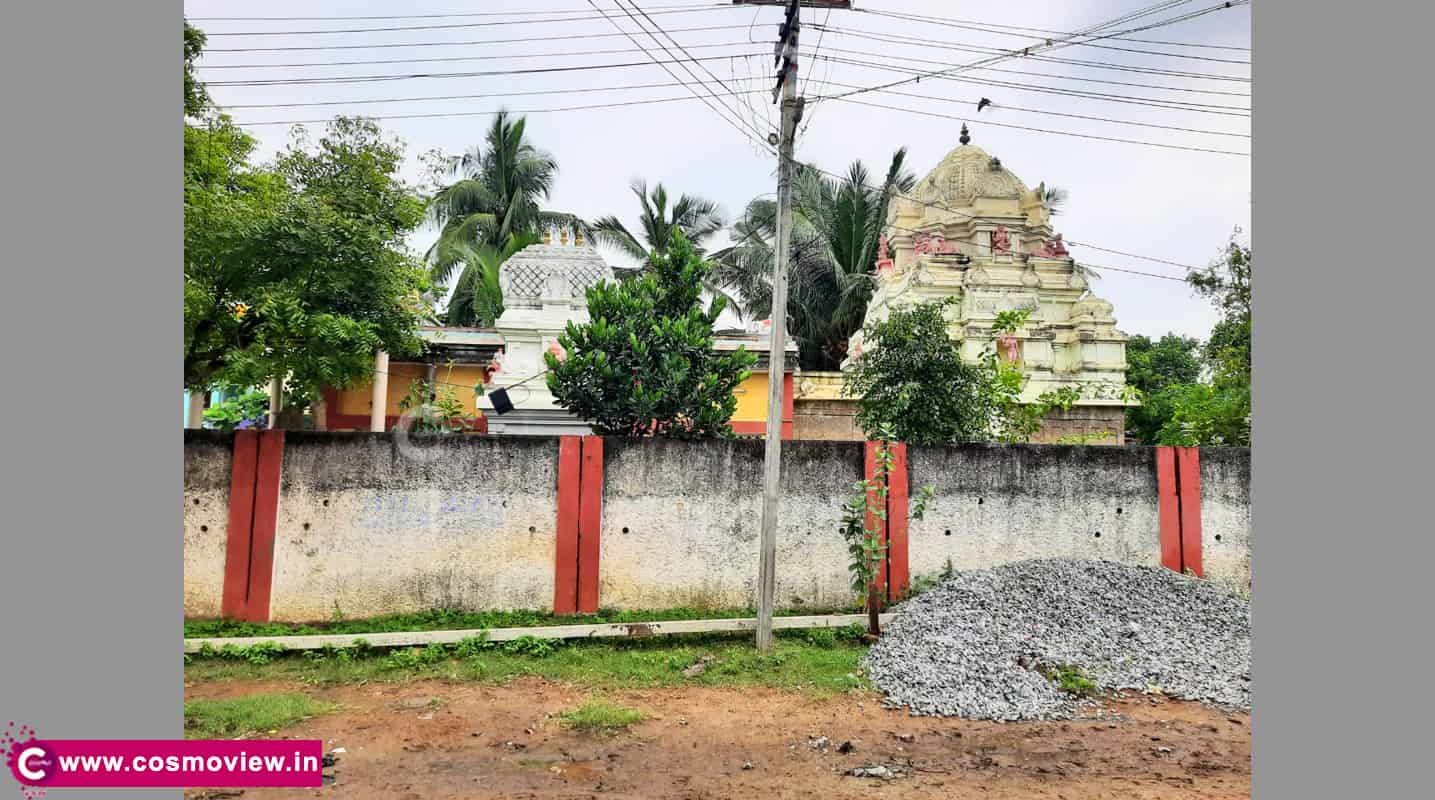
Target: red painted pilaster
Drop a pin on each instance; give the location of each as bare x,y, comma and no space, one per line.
565,569
266,522
1169,509
241,521
1188,466
590,523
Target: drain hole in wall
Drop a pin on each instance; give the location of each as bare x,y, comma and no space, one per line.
326,502
306,526
1098,534
979,501
204,528
1218,537
625,530
532,529
1118,510
196,501
949,532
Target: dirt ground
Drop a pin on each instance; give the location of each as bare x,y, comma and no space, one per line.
427,740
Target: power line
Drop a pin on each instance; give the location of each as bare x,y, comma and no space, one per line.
447,58
848,99
715,109
1088,33
1053,113
736,93
448,26
953,24
506,40
659,29
368,101
409,76
1069,33
447,114
1077,62
427,16
1172,105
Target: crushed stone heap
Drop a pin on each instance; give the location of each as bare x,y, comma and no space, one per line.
974,646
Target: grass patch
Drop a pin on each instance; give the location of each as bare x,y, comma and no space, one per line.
600,716
454,620
254,714
1071,679
821,662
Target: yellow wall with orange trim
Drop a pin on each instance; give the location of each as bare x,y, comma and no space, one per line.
751,399
461,379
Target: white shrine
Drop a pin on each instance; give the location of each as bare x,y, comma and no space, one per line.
973,231
544,287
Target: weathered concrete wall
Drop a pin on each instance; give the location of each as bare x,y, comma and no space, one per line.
826,420
1226,537
363,529
1000,503
366,531
208,459
681,520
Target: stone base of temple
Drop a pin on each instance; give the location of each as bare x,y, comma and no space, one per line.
836,420
829,420
536,422
1084,425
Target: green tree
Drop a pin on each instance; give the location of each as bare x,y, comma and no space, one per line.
300,271
477,299
912,382
697,218
196,97
645,364
1218,413
1151,367
495,192
837,224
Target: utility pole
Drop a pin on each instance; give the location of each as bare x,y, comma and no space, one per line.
785,54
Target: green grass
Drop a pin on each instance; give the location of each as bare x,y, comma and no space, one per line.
1071,679
450,619
254,714
820,662
600,716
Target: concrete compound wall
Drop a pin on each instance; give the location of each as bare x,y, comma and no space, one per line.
208,460
681,523
484,522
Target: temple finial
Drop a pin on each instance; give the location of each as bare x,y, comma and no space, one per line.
964,138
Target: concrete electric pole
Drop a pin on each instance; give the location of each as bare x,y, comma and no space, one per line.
786,57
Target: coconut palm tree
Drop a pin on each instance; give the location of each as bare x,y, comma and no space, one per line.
696,217
1055,197
835,232
477,299
495,194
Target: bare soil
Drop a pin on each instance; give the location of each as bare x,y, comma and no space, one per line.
431,739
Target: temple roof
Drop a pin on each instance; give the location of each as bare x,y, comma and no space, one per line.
967,172
526,275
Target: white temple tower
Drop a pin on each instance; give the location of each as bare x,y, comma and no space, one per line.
975,232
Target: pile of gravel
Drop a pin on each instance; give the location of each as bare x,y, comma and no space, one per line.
974,646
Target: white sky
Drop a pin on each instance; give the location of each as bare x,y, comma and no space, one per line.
1169,204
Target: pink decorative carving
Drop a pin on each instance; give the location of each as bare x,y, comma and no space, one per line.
933,243
1053,249
1010,348
1001,242
884,259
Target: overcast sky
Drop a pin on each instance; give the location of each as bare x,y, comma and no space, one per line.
1176,205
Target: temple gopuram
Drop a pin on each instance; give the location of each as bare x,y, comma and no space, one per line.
971,230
